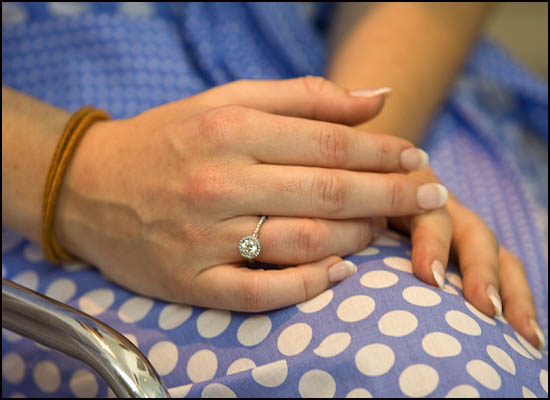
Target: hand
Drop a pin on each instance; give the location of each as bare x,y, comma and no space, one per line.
482,261
158,202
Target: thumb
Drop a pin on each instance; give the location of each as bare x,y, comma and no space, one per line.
310,97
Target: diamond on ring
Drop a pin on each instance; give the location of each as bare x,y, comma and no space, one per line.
249,246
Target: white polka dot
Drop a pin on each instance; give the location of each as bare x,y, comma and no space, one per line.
9,239
397,323
368,251
74,266
33,253
463,391
212,323
216,391
543,378
399,263
384,240
13,368
83,384
379,279
10,336
254,330
96,301
67,7
47,377
528,346
418,380
317,303
173,315
439,344
317,383
462,323
517,347
27,279
17,395
502,359
333,344
455,279
294,339
240,365
450,289
180,391
374,359
355,308
61,290
527,394
135,309
164,357
484,374
479,314
421,296
272,374
202,365
359,393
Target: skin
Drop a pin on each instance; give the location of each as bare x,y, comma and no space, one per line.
159,188
417,49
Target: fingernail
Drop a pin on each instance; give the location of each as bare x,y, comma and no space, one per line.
414,159
438,272
538,332
342,270
386,91
495,299
431,195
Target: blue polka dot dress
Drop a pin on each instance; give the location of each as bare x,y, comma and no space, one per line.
381,333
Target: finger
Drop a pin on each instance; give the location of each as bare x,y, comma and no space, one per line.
297,141
252,290
309,97
292,241
431,236
519,307
477,251
333,194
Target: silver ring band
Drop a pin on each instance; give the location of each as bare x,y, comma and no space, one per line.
249,246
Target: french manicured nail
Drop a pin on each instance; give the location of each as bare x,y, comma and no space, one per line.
538,332
386,91
342,270
438,272
495,299
431,195
414,159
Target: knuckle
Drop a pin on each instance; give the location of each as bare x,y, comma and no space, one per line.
313,85
385,154
332,191
206,185
396,194
333,147
255,296
307,239
222,124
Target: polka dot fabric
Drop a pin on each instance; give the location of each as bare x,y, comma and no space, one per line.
381,333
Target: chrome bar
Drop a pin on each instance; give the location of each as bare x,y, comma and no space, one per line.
53,324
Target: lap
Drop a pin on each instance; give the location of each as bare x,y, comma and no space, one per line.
382,332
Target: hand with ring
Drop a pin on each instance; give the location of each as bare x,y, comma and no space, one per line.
159,202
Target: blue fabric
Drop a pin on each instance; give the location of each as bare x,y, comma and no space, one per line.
381,332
